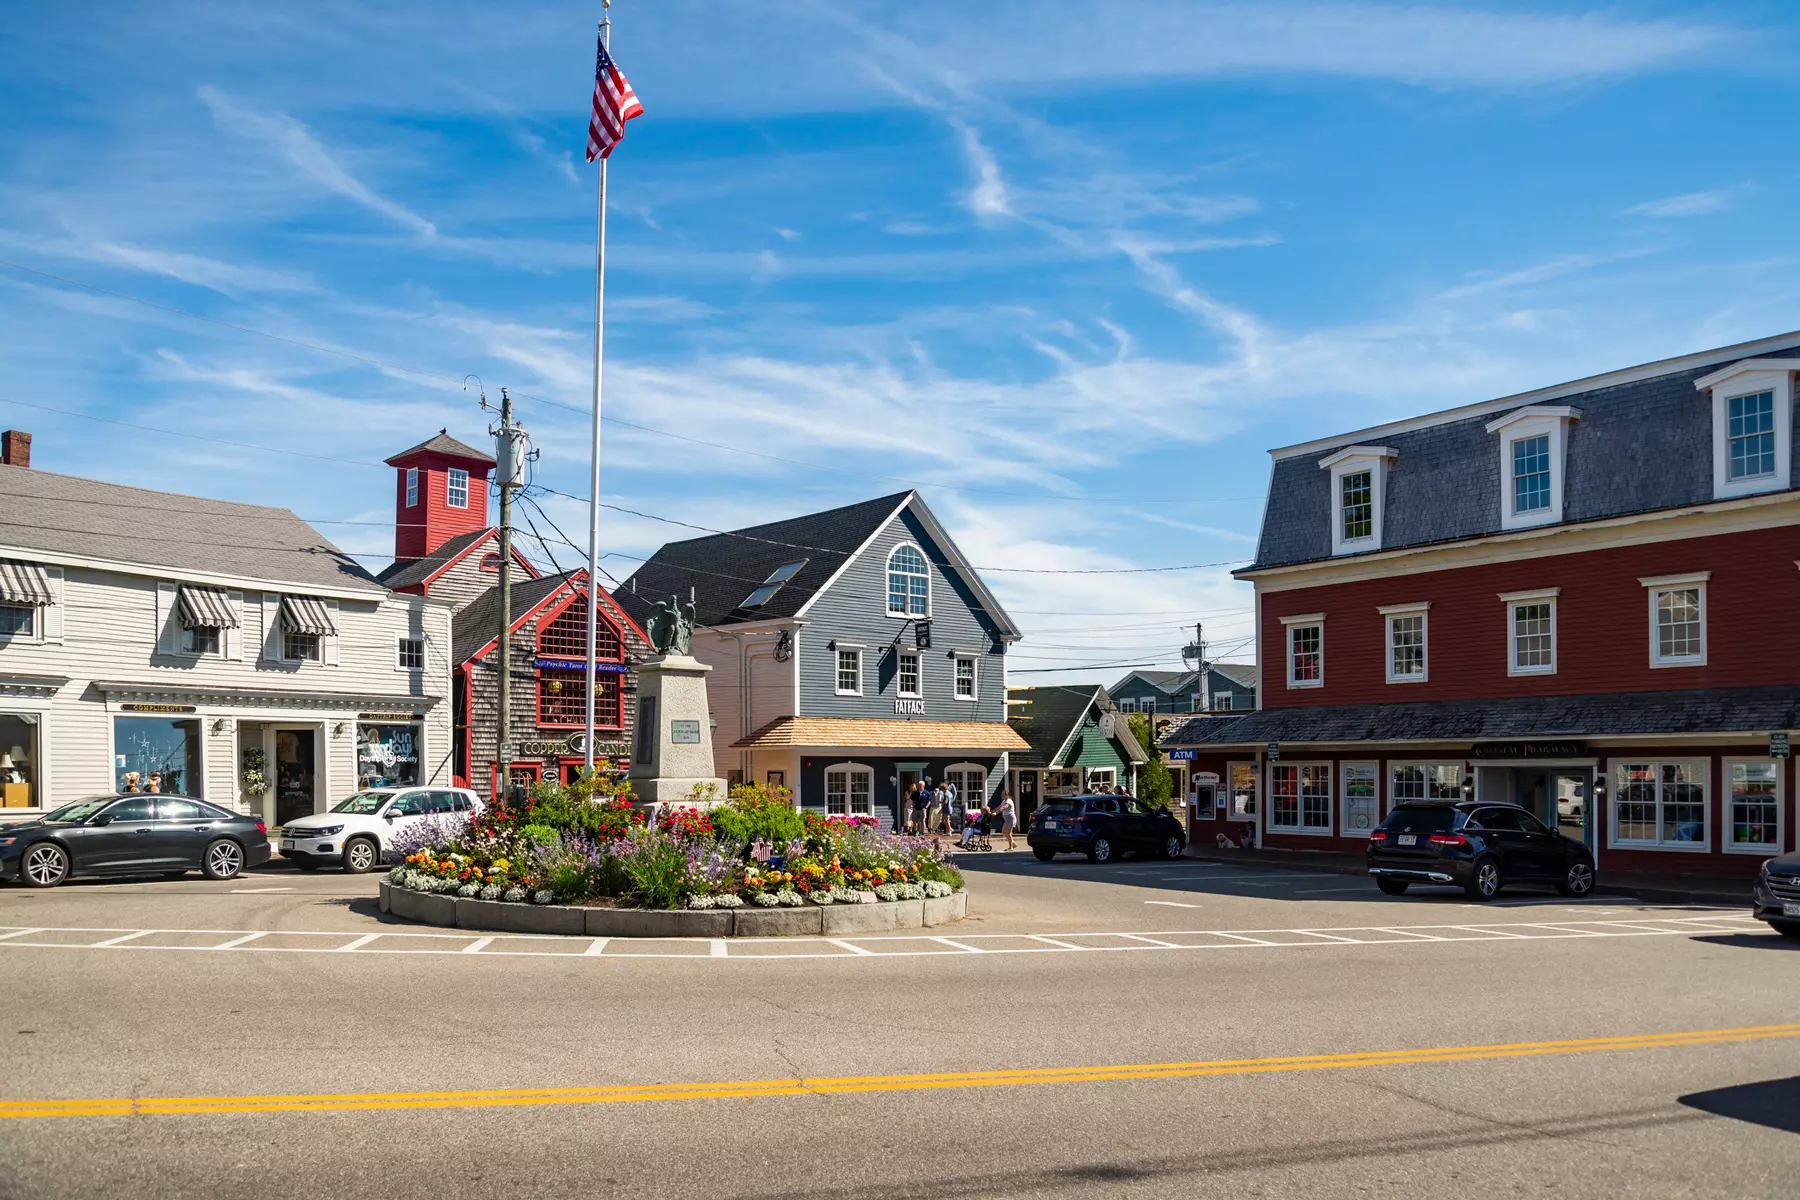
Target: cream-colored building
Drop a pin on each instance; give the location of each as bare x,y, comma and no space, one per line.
145,633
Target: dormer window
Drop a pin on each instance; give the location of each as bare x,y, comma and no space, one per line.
1533,447
1358,491
1753,441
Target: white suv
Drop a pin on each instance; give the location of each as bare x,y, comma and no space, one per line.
359,832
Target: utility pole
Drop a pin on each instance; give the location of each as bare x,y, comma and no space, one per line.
508,474
1205,668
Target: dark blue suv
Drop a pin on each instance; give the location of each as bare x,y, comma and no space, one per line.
1478,847
1103,827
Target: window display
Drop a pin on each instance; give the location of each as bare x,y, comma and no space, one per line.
19,762
156,754
387,755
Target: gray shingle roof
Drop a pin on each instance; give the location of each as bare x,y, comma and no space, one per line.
65,514
409,572
723,569
1710,710
443,443
478,622
1052,714
1637,447
1243,674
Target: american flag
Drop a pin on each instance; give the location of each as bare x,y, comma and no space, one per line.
614,104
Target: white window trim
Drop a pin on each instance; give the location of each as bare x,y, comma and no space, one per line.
186,635
1654,587
850,768
1513,600
1726,845
1615,842
412,487
1255,791
974,661
1127,704
450,478
887,570
900,675
1388,613
1746,378
1344,768
1288,625
35,637
1268,799
1534,420
961,791
837,669
1348,461
1462,771
41,715
399,650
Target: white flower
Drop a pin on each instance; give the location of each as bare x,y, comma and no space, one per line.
491,892
697,900
468,891
543,897
728,901
766,900
822,898
514,894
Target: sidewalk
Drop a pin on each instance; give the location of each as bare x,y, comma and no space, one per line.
1651,889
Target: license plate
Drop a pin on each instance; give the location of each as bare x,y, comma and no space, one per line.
1790,908
287,843
1407,839
1050,825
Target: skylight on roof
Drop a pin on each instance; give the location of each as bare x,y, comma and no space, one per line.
779,576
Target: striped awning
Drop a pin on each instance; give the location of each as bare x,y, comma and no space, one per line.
206,608
24,583
307,614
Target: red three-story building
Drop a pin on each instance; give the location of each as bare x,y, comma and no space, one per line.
1583,599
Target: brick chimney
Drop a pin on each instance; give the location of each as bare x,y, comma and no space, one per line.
15,448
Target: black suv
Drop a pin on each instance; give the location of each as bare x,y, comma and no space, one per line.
1477,847
1102,827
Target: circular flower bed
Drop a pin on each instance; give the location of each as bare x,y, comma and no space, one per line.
588,843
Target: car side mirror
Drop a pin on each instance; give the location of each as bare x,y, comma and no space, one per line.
389,816
101,820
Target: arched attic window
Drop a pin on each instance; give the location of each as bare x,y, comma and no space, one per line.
909,583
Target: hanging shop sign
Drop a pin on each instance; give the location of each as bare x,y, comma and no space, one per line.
1274,751
158,708
578,664
1548,749
1185,754
1778,744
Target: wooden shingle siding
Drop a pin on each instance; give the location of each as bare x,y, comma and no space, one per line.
465,579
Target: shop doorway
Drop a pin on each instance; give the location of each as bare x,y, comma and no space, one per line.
1557,796
296,774
1028,797
905,776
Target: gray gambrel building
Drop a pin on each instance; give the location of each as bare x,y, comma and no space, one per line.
853,652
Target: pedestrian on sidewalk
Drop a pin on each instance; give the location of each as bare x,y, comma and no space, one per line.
1009,816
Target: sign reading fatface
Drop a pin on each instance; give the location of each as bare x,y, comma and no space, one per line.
909,708
1544,749
684,733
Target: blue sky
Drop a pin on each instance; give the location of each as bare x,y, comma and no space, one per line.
1071,268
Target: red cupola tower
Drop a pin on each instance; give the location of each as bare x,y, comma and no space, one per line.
440,492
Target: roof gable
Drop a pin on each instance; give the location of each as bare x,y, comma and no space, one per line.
442,443
475,627
414,572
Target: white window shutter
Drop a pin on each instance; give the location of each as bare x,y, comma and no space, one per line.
53,613
234,638
331,639
271,627
168,634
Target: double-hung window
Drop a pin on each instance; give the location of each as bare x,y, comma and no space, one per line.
200,640
1531,631
1300,797
18,620
1753,805
1660,804
1356,505
1533,444
1750,436
849,791
849,671
412,487
1406,626
1677,619
909,674
412,655
456,488
1752,425
967,678
1531,474
909,583
1424,781
299,647
1305,650
1358,487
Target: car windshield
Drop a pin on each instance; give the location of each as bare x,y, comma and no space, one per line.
363,804
1432,818
81,810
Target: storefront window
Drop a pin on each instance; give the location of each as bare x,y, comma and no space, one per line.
387,756
156,754
1755,806
1359,799
1243,791
1426,781
1300,796
19,762
1660,804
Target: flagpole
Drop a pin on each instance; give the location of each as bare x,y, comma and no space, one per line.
593,613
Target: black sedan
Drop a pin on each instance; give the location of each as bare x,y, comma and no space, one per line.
134,834
1102,827
1477,847
1778,895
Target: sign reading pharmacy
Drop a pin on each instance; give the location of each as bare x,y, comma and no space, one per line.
1524,749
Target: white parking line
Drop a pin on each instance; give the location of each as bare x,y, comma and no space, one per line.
1171,904
958,945
360,942
1050,941
257,891
19,933
1244,937
718,948
478,945
120,941
235,942
852,947
1139,937
596,947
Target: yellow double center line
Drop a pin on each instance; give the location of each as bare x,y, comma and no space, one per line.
634,1094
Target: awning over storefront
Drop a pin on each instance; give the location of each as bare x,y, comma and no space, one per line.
1753,711
24,583
307,614
872,734
206,608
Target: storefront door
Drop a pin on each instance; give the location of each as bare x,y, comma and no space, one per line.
1557,796
1028,797
295,774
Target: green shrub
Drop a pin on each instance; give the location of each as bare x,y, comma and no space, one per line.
758,811
655,872
540,834
1155,783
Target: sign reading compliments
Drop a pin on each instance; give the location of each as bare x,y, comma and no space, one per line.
1550,749
158,708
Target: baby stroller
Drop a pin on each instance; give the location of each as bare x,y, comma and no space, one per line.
975,830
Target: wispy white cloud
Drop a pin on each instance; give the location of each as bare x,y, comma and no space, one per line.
308,155
1691,204
197,269
988,197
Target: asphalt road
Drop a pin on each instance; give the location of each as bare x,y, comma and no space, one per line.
1146,1029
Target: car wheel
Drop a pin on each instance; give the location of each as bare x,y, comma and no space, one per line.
1043,853
1100,850
1787,929
361,855
1579,880
44,866
1485,883
303,862
224,859
1392,887
1171,848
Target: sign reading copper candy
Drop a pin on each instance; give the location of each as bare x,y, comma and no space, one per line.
1531,749
158,708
